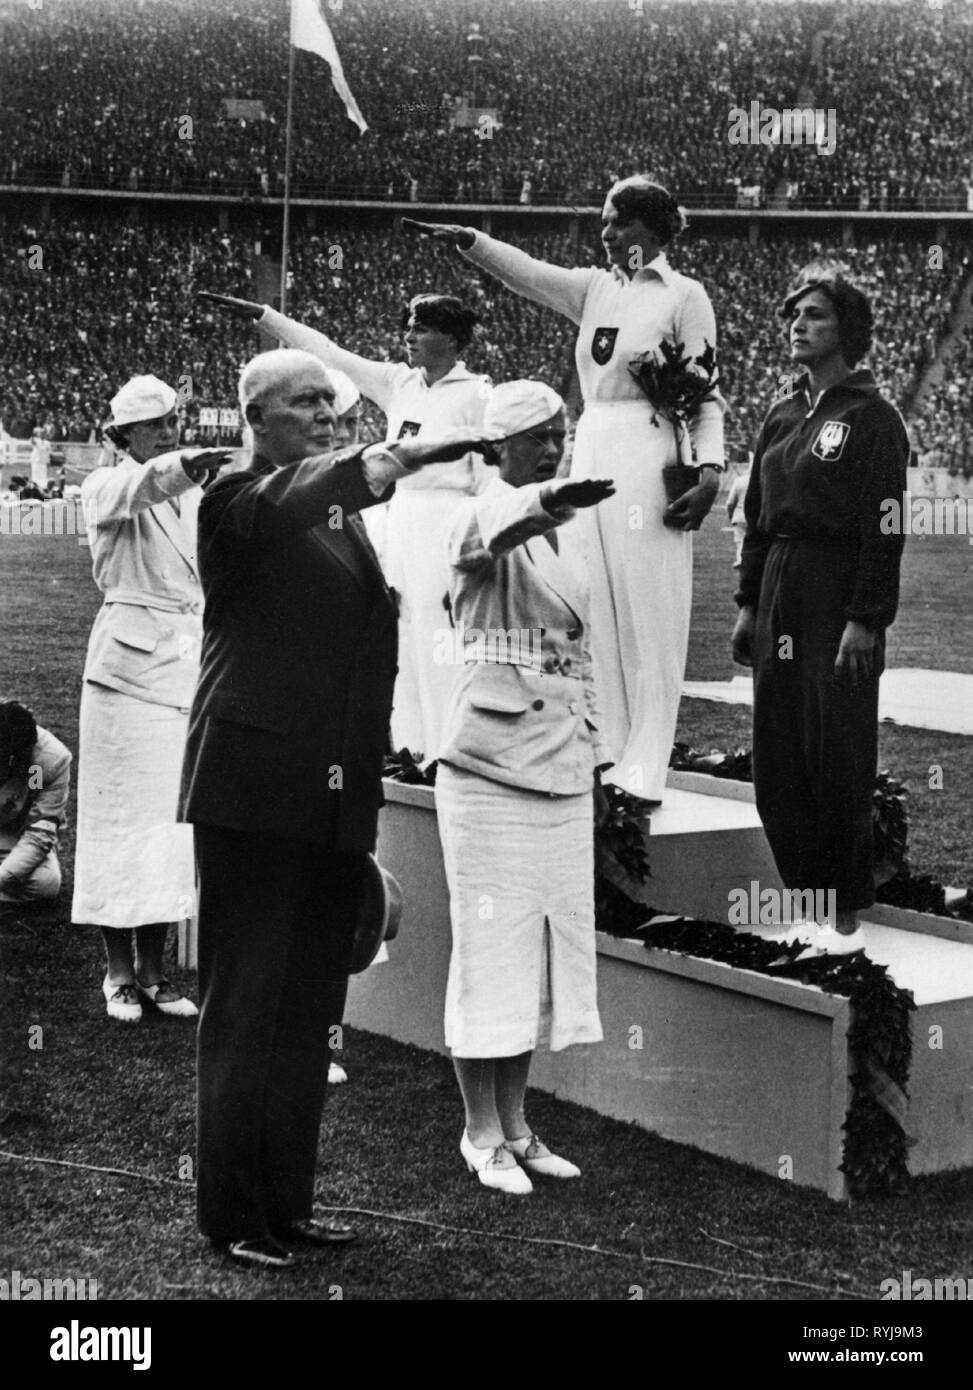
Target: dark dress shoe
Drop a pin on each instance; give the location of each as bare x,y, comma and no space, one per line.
316,1232
262,1251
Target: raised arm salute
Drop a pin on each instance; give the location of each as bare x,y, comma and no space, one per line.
282,784
640,554
430,394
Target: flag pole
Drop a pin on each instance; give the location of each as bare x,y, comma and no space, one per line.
286,237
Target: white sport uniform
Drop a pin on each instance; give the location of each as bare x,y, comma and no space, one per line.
410,533
641,570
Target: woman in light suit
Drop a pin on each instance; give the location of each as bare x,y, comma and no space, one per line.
517,773
134,870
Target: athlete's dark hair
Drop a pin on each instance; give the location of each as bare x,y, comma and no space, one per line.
856,323
639,198
445,313
18,734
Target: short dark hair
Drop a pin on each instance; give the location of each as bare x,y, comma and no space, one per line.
856,322
18,735
445,313
640,199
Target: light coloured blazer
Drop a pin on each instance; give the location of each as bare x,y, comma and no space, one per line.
523,710
145,640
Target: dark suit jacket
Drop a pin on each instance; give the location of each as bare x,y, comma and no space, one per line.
291,712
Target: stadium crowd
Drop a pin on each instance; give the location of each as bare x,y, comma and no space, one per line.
116,298
134,97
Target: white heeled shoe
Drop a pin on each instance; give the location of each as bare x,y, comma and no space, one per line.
177,1006
489,1167
537,1158
122,1002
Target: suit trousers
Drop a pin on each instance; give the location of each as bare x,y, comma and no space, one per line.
276,926
815,742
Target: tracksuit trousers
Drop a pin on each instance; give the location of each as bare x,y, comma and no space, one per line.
815,742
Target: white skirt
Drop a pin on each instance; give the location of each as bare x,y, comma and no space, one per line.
134,863
411,541
641,575
520,869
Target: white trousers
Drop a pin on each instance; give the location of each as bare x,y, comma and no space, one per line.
641,590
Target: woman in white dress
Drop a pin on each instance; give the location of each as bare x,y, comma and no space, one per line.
517,775
431,395
134,871
640,552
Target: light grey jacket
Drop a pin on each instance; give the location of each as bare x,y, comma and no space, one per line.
523,710
145,640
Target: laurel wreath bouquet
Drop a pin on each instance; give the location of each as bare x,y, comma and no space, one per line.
676,385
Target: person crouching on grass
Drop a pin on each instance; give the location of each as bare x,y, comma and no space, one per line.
819,585
35,777
518,774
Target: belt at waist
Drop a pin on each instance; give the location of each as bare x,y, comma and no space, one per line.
540,667
142,598
638,403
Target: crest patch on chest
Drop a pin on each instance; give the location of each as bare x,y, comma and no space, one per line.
409,428
603,345
831,439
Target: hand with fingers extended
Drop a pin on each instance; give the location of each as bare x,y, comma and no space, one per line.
860,657
588,492
237,308
450,232
416,453
198,463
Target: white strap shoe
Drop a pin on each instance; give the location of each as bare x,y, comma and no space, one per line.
173,1003
122,1002
537,1158
491,1167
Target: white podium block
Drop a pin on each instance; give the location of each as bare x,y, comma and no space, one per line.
734,1062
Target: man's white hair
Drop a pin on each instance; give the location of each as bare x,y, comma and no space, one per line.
264,373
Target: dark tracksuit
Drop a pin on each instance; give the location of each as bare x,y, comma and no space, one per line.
814,558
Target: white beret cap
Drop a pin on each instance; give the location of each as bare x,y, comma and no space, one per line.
142,398
515,406
346,393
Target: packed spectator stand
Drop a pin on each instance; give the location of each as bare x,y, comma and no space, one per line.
133,97
105,298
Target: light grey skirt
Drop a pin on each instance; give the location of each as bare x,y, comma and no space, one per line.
133,864
520,869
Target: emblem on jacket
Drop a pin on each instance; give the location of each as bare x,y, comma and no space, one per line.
409,427
603,345
831,440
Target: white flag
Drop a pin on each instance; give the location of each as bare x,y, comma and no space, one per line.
309,30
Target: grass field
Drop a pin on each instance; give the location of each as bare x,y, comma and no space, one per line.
111,1097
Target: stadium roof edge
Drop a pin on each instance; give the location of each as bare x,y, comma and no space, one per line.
484,209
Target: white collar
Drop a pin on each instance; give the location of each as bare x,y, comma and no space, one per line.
657,269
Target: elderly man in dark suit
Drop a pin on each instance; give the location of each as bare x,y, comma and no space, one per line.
282,783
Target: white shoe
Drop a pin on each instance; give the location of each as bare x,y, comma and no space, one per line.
492,1170
337,1076
176,1007
537,1158
829,942
122,1002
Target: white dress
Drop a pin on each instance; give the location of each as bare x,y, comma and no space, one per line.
409,533
641,570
